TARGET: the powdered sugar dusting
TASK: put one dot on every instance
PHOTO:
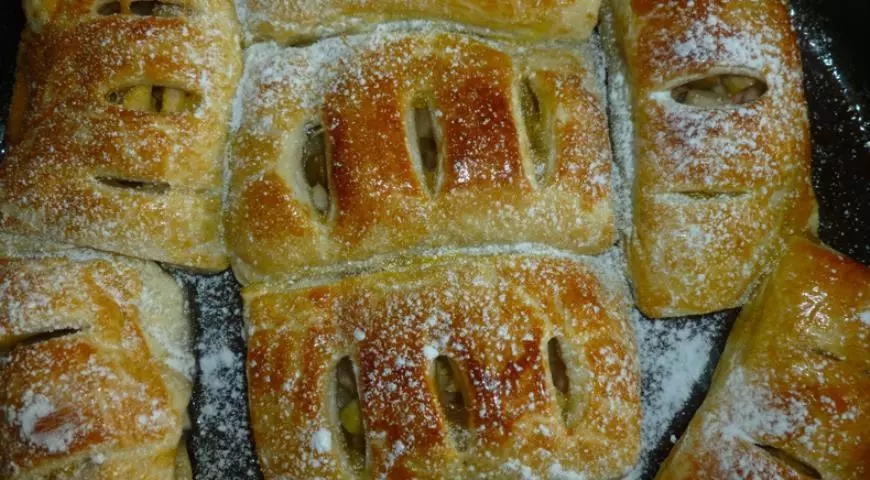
(620, 121)
(493, 317)
(35, 408)
(321, 441)
(221, 440)
(675, 365)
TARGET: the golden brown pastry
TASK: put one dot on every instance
(469, 367)
(791, 397)
(388, 144)
(296, 21)
(66, 13)
(717, 152)
(118, 130)
(95, 369)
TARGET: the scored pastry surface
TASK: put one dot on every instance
(62, 14)
(295, 21)
(426, 140)
(95, 368)
(118, 131)
(492, 321)
(791, 395)
(720, 157)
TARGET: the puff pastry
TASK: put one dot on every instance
(67, 13)
(719, 161)
(382, 145)
(791, 397)
(118, 131)
(466, 367)
(95, 369)
(295, 21)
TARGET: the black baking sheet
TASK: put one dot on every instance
(833, 37)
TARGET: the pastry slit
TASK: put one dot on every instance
(110, 8)
(789, 460)
(145, 8)
(347, 408)
(153, 99)
(559, 376)
(538, 131)
(427, 140)
(156, 8)
(827, 354)
(702, 195)
(41, 337)
(315, 164)
(720, 91)
(135, 185)
(452, 394)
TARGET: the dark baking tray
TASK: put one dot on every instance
(837, 64)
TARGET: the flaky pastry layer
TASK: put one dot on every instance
(295, 21)
(791, 396)
(497, 175)
(493, 319)
(118, 131)
(95, 369)
(717, 183)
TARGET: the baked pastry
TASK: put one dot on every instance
(465, 367)
(65, 13)
(294, 21)
(95, 369)
(489, 320)
(720, 158)
(118, 132)
(384, 145)
(791, 395)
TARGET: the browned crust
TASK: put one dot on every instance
(67, 133)
(795, 375)
(289, 21)
(493, 316)
(104, 398)
(66, 14)
(690, 255)
(380, 205)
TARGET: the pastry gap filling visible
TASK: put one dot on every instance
(154, 99)
(720, 91)
(151, 8)
(315, 164)
(784, 458)
(347, 407)
(539, 133)
(157, 188)
(452, 398)
(559, 376)
(427, 140)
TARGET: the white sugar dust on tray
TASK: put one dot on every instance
(677, 359)
(221, 444)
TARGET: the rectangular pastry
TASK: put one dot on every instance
(295, 21)
(382, 145)
(95, 368)
(466, 367)
(791, 396)
(118, 129)
(710, 117)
